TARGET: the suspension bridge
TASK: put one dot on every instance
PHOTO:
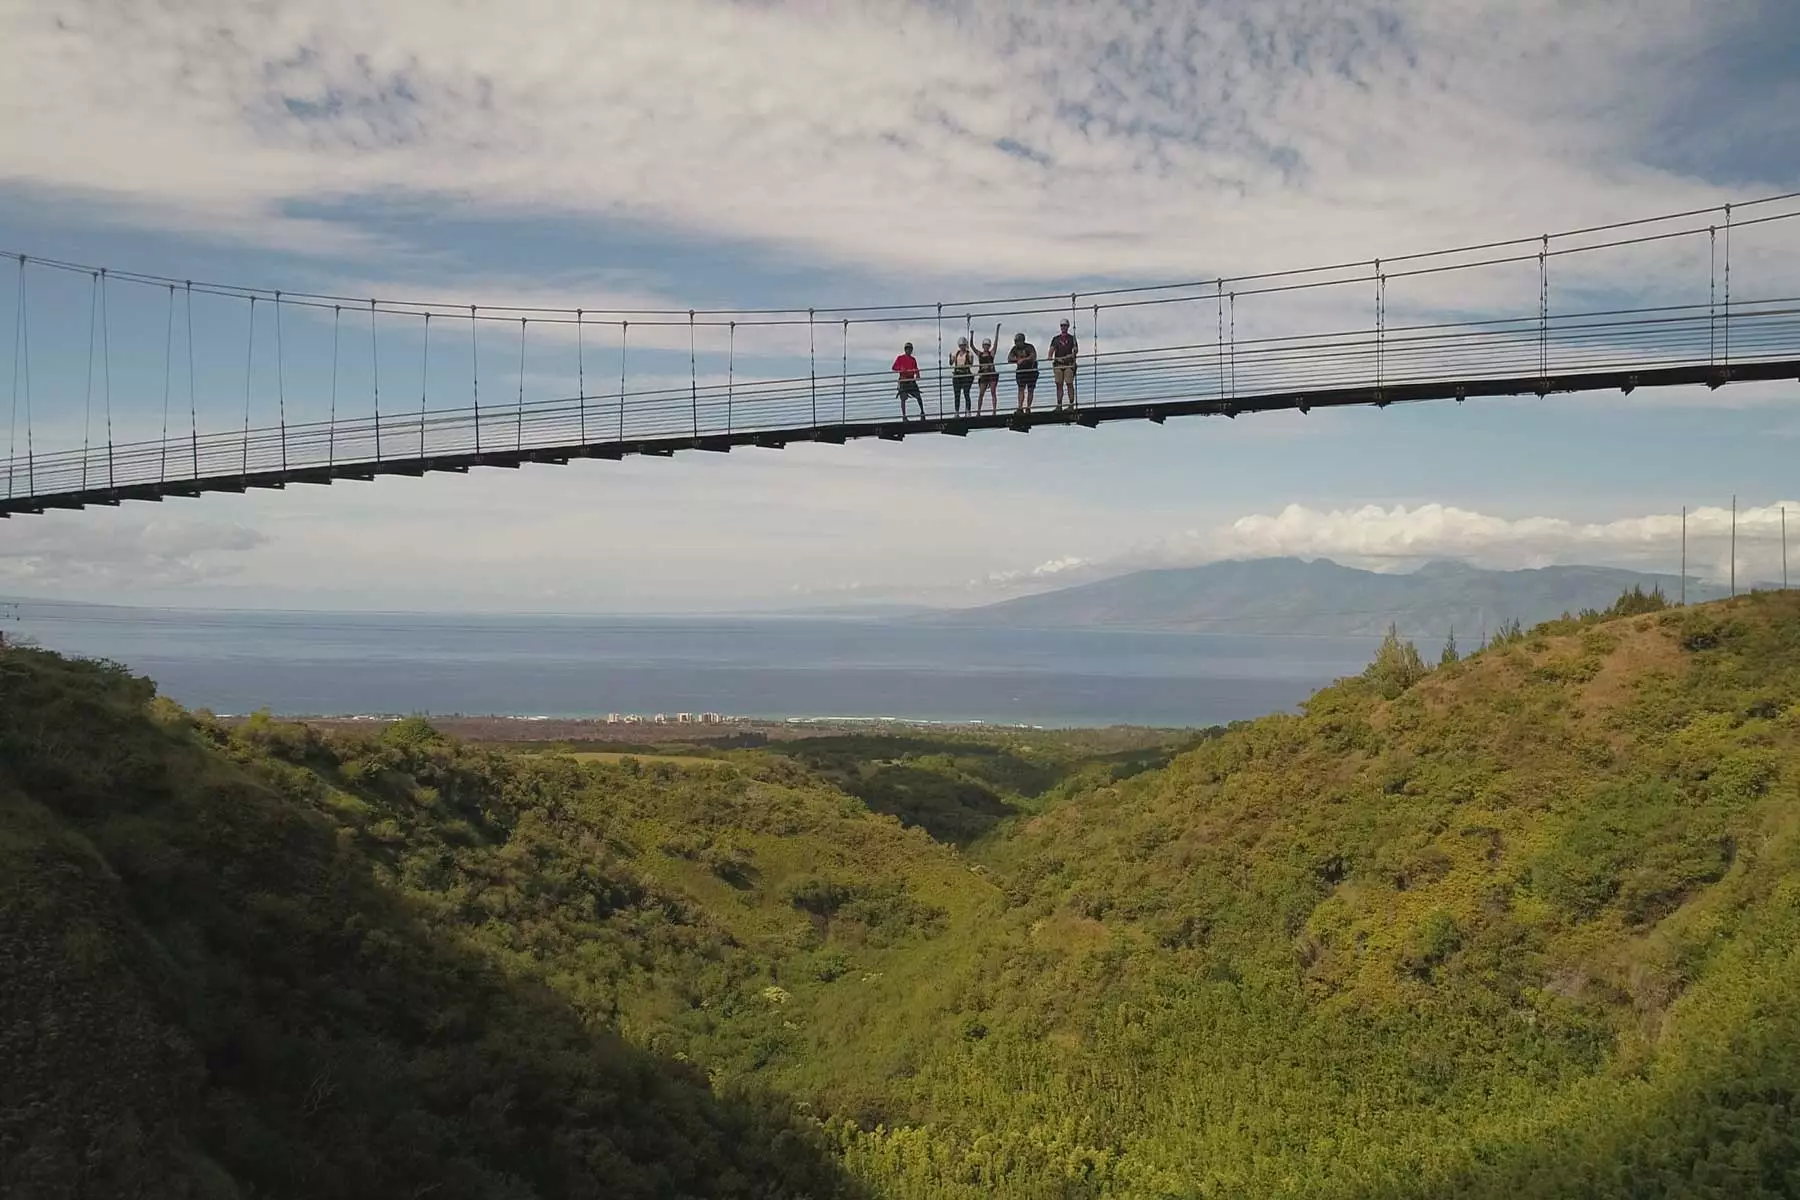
(1647, 303)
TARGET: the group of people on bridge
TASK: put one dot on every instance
(975, 371)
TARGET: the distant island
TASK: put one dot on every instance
(1293, 595)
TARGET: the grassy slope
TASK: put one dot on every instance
(1529, 928)
(1534, 921)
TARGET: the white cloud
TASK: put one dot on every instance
(1402, 537)
(114, 559)
(1005, 140)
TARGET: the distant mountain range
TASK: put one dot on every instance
(1292, 595)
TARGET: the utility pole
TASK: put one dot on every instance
(1734, 547)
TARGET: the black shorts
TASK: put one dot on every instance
(910, 387)
(1027, 379)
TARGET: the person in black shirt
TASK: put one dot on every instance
(1063, 349)
(1025, 370)
(987, 375)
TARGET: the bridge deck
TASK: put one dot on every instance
(1090, 416)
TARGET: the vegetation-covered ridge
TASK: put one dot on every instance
(1523, 924)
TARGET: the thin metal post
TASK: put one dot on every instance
(1234, 345)
(580, 377)
(475, 375)
(1094, 356)
(693, 376)
(812, 355)
(1734, 546)
(1684, 556)
(624, 329)
(1784, 547)
(1712, 295)
(730, 376)
(844, 379)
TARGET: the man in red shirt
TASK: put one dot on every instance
(907, 367)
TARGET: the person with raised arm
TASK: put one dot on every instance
(987, 375)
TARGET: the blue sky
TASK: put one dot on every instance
(698, 154)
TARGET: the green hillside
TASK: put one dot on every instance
(1524, 925)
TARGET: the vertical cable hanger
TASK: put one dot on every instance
(730, 373)
(1233, 360)
(87, 396)
(25, 360)
(249, 362)
(624, 329)
(580, 377)
(844, 379)
(162, 469)
(1544, 316)
(12, 424)
(375, 375)
(1380, 328)
(281, 384)
(337, 312)
(106, 369)
(519, 412)
(693, 376)
(424, 379)
(940, 359)
(1219, 290)
(1728, 287)
(1094, 356)
(812, 355)
(1712, 295)
(193, 391)
(475, 376)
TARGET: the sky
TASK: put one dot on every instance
(763, 154)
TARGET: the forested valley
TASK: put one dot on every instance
(1522, 924)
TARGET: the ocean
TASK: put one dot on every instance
(774, 667)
